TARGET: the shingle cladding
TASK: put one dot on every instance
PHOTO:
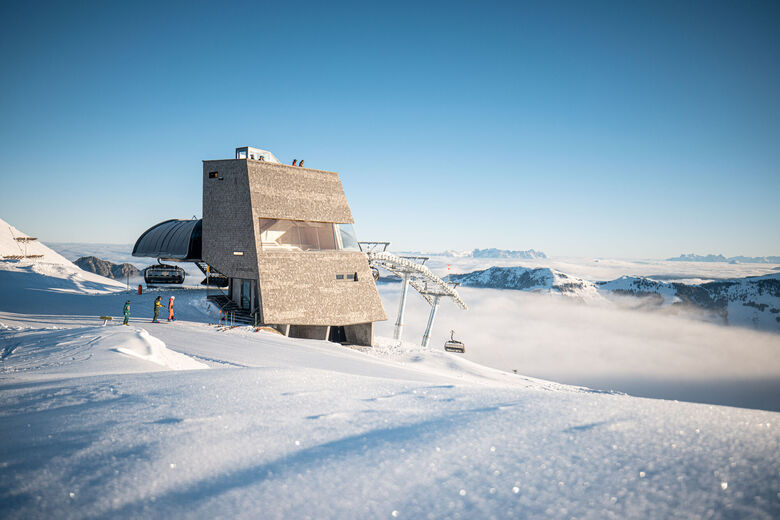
(301, 288)
(296, 287)
(288, 192)
(228, 226)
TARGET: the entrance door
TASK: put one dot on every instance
(337, 335)
(246, 295)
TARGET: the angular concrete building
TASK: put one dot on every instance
(283, 235)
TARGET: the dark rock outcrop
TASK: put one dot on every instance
(95, 265)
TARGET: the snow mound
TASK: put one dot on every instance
(145, 346)
(83, 351)
(46, 269)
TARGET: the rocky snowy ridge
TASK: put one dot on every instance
(102, 267)
(752, 301)
(541, 279)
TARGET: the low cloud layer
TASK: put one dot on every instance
(642, 352)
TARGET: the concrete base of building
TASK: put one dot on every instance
(360, 334)
(309, 331)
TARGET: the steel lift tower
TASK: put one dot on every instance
(413, 272)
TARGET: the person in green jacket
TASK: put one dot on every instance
(157, 305)
(126, 310)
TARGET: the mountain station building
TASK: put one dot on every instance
(283, 237)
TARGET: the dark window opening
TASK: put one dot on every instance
(339, 277)
(213, 175)
(337, 335)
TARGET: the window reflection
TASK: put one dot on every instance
(348, 237)
(296, 235)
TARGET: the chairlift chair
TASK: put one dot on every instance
(454, 345)
(164, 274)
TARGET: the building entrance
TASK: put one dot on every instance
(246, 294)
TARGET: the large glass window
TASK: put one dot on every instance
(296, 235)
(348, 237)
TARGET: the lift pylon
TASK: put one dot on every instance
(412, 271)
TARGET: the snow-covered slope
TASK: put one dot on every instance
(10, 247)
(541, 279)
(283, 428)
(45, 270)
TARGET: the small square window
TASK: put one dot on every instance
(339, 277)
(213, 175)
(350, 277)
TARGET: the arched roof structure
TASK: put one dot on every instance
(172, 240)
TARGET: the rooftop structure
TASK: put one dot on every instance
(256, 154)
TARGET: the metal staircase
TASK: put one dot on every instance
(231, 313)
(213, 277)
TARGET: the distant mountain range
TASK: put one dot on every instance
(690, 257)
(753, 301)
(528, 254)
(95, 265)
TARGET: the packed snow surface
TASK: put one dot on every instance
(283, 428)
(110, 421)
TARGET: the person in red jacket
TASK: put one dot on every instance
(170, 309)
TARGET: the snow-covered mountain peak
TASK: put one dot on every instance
(540, 279)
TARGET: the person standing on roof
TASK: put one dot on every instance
(157, 305)
(126, 311)
(170, 309)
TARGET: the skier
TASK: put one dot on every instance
(170, 309)
(157, 305)
(126, 310)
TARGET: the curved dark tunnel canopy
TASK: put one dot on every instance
(174, 239)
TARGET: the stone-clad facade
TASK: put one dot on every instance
(304, 293)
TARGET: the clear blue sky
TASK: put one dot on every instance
(576, 128)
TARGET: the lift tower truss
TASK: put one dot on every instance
(412, 271)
